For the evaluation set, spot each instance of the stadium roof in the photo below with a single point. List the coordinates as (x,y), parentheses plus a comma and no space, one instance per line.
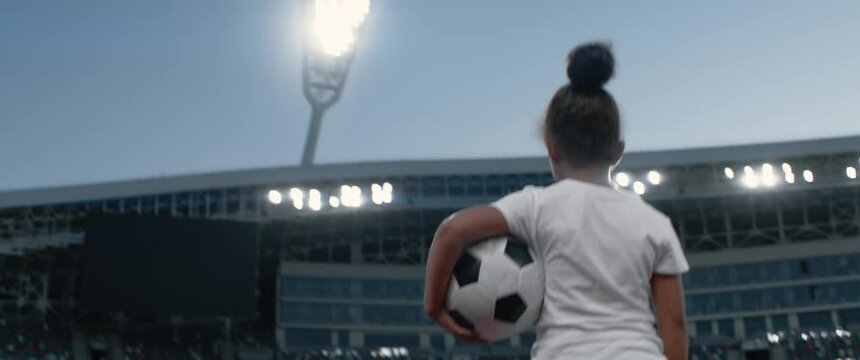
(280,175)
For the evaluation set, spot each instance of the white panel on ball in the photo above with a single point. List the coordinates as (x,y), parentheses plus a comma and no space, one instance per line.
(500,288)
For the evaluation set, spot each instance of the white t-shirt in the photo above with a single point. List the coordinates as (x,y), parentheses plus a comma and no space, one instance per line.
(599,247)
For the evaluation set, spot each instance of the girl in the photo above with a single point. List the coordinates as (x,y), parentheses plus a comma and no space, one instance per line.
(605,252)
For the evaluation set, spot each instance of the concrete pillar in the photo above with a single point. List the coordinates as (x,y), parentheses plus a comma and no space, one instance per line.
(228,351)
(356,339)
(424,340)
(80,346)
(740,331)
(449,341)
(835,316)
(793,322)
(355,252)
(114,348)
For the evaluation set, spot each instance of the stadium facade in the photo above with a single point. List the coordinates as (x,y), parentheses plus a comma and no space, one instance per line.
(772,232)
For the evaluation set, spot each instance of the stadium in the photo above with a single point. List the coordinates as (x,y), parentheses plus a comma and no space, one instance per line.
(772,233)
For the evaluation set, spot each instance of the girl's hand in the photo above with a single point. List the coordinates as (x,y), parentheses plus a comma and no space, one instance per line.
(446,321)
(455,234)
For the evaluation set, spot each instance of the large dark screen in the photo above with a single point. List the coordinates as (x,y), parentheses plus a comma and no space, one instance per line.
(167,266)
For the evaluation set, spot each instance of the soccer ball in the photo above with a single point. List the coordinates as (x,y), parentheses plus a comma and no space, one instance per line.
(497,288)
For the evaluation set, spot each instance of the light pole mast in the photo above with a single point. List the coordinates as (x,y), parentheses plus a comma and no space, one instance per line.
(327,57)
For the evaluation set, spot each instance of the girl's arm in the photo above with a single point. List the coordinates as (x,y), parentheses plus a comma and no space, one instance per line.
(456,233)
(668,296)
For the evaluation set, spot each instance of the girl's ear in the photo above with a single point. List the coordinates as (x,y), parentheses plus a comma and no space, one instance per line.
(552,150)
(617,152)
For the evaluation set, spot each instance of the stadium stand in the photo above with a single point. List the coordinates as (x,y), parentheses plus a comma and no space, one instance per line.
(771,232)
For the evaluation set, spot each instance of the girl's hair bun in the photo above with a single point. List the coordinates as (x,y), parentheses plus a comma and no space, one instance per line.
(590,66)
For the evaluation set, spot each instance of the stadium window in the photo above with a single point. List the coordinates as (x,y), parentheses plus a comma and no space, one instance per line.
(780,322)
(456,186)
(755,326)
(804,267)
(494,185)
(307,337)
(433,186)
(704,328)
(475,185)
(819,320)
(437,342)
(850,318)
(527,339)
(726,327)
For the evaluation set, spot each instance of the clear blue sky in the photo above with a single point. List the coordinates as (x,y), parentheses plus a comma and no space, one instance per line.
(99,90)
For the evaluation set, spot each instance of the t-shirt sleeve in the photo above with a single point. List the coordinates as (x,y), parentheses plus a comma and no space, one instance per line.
(518,209)
(670,256)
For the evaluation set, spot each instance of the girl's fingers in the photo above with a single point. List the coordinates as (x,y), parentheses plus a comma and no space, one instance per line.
(447,321)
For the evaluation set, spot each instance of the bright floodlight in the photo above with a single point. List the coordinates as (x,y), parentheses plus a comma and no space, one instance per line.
(750,178)
(654,177)
(622,179)
(376,194)
(786,168)
(335,23)
(314,200)
(729,173)
(275,197)
(768,178)
(639,187)
(334,201)
(350,196)
(808,176)
(296,193)
(298,198)
(789,178)
(851,172)
(387,193)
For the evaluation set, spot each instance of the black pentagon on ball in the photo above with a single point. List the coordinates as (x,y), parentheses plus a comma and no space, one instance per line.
(509,308)
(461,320)
(518,251)
(466,269)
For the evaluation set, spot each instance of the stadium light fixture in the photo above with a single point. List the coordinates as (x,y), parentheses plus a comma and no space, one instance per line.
(275,197)
(851,172)
(376,194)
(639,188)
(808,176)
(768,178)
(789,178)
(350,196)
(298,197)
(314,200)
(387,193)
(333,29)
(334,201)
(654,177)
(622,179)
(729,172)
(786,168)
(750,178)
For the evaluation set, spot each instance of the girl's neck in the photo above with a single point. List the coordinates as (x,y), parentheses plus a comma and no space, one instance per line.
(598,175)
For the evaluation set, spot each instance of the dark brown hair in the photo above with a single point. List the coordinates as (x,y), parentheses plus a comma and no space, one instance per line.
(582,119)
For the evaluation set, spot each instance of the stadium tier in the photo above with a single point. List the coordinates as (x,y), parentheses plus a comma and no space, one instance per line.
(772,232)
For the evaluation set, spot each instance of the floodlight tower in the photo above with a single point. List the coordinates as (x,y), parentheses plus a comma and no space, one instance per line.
(328,55)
